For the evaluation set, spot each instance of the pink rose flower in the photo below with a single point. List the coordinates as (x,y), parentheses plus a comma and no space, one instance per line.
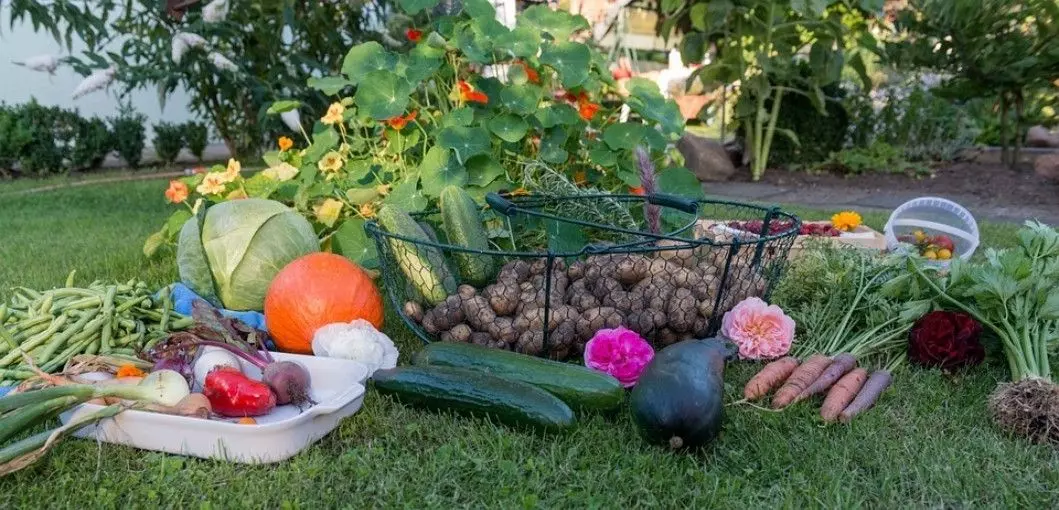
(760,330)
(619,352)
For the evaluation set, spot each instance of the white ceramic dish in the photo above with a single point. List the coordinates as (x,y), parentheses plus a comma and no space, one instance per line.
(337,387)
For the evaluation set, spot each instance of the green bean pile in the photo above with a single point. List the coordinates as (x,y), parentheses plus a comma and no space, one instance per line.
(52,326)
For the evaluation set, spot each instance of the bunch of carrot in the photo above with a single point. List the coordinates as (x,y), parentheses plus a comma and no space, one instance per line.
(850,391)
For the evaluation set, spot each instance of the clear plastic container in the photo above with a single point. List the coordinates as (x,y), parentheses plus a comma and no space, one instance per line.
(934,217)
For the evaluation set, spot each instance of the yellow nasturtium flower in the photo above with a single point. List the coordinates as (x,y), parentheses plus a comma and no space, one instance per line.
(334,114)
(331,162)
(231,173)
(212,184)
(281,172)
(367,210)
(328,211)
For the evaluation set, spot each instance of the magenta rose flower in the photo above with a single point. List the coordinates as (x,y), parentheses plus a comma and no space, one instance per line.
(760,330)
(945,339)
(619,352)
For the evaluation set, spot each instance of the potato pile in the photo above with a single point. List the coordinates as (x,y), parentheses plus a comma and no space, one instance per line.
(666,296)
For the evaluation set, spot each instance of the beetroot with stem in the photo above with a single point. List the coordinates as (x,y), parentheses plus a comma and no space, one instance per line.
(288,380)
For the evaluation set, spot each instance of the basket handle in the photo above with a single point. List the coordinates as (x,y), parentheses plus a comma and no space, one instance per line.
(673,201)
(500,204)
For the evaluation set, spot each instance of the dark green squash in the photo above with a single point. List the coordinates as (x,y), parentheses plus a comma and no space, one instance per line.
(679,399)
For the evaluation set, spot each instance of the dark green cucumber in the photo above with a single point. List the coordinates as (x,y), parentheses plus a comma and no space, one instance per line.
(424,266)
(463,227)
(461,390)
(580,387)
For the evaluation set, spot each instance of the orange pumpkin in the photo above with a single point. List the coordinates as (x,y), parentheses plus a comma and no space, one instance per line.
(316,290)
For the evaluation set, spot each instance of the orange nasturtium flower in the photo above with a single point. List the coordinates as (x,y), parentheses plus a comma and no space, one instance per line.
(638,190)
(587,110)
(334,114)
(531,73)
(466,93)
(285,143)
(129,370)
(400,121)
(367,210)
(580,177)
(177,192)
(413,34)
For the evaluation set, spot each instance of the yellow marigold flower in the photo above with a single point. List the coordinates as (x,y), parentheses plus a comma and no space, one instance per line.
(328,211)
(334,114)
(231,173)
(285,143)
(367,210)
(331,162)
(846,220)
(281,172)
(212,184)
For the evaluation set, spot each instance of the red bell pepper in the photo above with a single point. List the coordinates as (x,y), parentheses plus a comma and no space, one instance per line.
(231,393)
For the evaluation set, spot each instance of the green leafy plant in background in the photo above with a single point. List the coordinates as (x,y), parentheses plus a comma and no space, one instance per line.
(878,156)
(197,137)
(991,48)
(231,65)
(465,101)
(52,132)
(759,43)
(1041,109)
(92,142)
(129,135)
(15,135)
(168,140)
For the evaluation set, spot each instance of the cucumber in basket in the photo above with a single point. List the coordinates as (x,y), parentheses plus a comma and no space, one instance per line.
(578,386)
(424,266)
(463,226)
(457,389)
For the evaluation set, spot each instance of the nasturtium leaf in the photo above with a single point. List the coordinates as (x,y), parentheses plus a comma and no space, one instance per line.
(383,94)
(259,186)
(271,158)
(627,172)
(552,150)
(358,169)
(624,135)
(176,221)
(508,127)
(565,237)
(671,6)
(462,116)
(466,142)
(557,115)
(655,140)
(358,196)
(473,44)
(325,138)
(479,192)
(365,58)
(521,42)
(407,196)
(439,169)
(415,6)
(516,75)
(521,99)
(153,243)
(417,66)
(479,9)
(482,170)
(350,241)
(679,181)
(603,156)
(329,85)
(647,100)
(283,106)
(557,23)
(571,59)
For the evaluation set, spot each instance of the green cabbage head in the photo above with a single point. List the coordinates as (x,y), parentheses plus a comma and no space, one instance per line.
(231,255)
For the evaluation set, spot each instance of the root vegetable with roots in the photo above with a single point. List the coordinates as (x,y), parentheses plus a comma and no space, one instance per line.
(1015,294)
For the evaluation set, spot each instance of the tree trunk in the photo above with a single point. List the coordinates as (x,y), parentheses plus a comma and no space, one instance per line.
(1019,103)
(1004,128)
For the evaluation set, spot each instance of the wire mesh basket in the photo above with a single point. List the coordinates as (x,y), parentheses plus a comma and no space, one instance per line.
(562,268)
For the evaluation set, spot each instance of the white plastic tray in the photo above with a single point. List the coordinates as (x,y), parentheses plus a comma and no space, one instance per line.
(337,387)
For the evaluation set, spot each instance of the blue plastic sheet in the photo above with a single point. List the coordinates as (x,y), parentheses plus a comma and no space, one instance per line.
(182,298)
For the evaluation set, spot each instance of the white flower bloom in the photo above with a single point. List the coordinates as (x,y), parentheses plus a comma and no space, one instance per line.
(95,81)
(41,63)
(221,62)
(215,11)
(292,119)
(192,40)
(179,49)
(357,341)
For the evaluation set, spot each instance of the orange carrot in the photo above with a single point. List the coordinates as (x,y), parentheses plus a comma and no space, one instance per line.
(842,393)
(839,366)
(773,375)
(869,393)
(802,377)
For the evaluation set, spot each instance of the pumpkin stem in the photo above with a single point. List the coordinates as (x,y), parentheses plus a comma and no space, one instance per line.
(676,442)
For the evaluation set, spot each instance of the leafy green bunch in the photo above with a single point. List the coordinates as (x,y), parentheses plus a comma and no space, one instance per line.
(465,101)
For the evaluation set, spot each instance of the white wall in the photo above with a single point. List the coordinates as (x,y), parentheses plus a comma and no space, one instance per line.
(18,84)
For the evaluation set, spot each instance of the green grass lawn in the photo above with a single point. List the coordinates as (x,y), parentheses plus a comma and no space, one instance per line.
(929,443)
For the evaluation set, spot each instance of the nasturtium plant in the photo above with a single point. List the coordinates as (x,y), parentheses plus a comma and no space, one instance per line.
(465,101)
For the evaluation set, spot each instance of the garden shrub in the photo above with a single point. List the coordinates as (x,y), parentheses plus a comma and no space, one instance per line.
(51,138)
(15,135)
(129,136)
(168,140)
(196,137)
(92,143)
